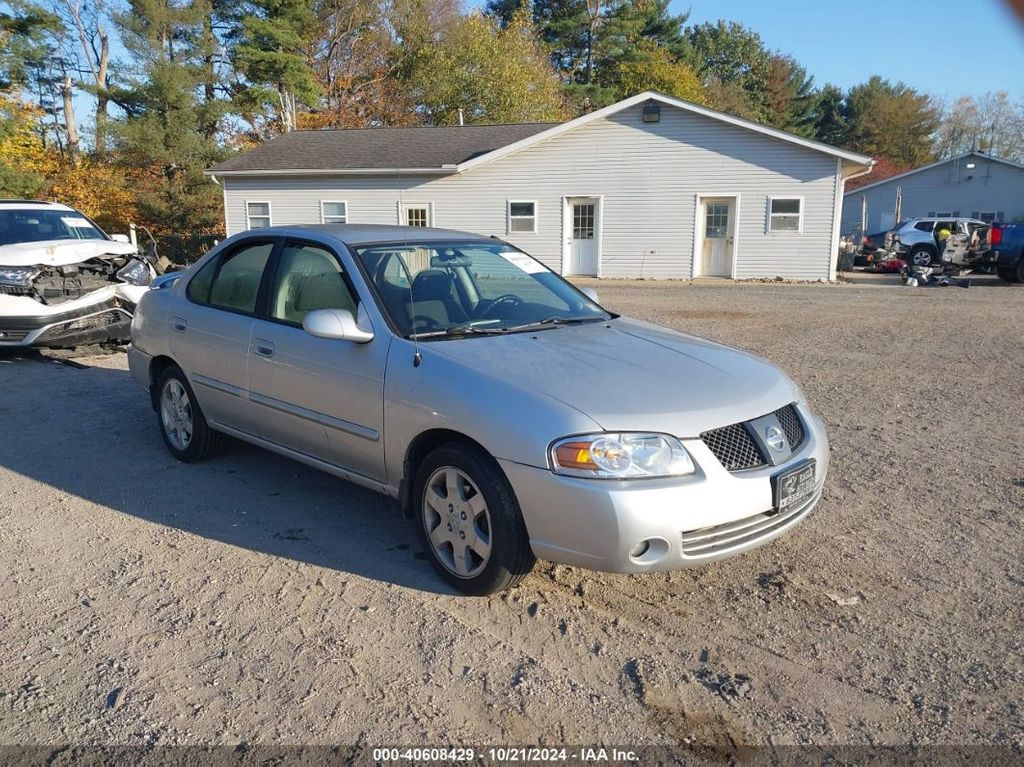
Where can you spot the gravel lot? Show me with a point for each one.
(251, 599)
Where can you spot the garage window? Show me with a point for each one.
(257, 215)
(785, 214)
(333, 212)
(522, 216)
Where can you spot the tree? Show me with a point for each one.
(83, 44)
(270, 43)
(22, 153)
(891, 120)
(790, 97)
(829, 116)
(734, 67)
(160, 140)
(592, 40)
(24, 49)
(989, 123)
(654, 68)
(491, 74)
(357, 61)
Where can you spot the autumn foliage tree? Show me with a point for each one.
(485, 70)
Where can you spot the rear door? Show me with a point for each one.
(318, 396)
(211, 326)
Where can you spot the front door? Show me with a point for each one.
(583, 230)
(321, 397)
(716, 256)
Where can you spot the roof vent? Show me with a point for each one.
(652, 113)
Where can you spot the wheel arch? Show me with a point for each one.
(157, 366)
(418, 449)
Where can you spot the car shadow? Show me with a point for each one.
(87, 430)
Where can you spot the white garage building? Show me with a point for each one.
(648, 187)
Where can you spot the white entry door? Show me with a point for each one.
(719, 223)
(582, 226)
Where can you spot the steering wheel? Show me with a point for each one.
(505, 298)
(421, 323)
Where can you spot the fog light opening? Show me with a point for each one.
(649, 551)
(640, 549)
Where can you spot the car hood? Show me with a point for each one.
(61, 252)
(631, 376)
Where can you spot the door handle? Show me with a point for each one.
(179, 324)
(264, 348)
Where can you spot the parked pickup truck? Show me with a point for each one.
(1006, 241)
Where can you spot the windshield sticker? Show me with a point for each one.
(524, 262)
(76, 222)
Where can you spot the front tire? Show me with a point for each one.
(470, 522)
(182, 423)
(921, 255)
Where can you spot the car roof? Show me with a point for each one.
(364, 234)
(32, 205)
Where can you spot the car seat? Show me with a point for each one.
(433, 292)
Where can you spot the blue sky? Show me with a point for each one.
(947, 48)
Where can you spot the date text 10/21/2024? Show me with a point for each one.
(504, 754)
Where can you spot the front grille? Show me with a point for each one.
(736, 449)
(791, 424)
(717, 540)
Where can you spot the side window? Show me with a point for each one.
(199, 286)
(785, 214)
(308, 277)
(925, 226)
(232, 281)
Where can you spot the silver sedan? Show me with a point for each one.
(508, 412)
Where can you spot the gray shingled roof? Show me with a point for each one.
(377, 148)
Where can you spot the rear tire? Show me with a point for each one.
(1009, 274)
(469, 521)
(182, 424)
(921, 255)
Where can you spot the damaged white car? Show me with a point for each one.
(63, 281)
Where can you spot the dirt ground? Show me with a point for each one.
(253, 600)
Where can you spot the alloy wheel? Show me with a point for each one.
(176, 414)
(457, 521)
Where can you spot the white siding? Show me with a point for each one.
(649, 176)
(989, 186)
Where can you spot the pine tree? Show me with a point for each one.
(163, 137)
(270, 43)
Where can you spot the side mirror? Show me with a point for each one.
(338, 324)
(591, 294)
(164, 280)
(120, 238)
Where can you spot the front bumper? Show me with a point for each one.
(687, 521)
(103, 315)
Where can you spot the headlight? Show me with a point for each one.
(20, 276)
(621, 456)
(136, 272)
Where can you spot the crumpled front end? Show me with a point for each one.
(68, 305)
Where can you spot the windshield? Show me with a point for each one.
(448, 289)
(37, 225)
